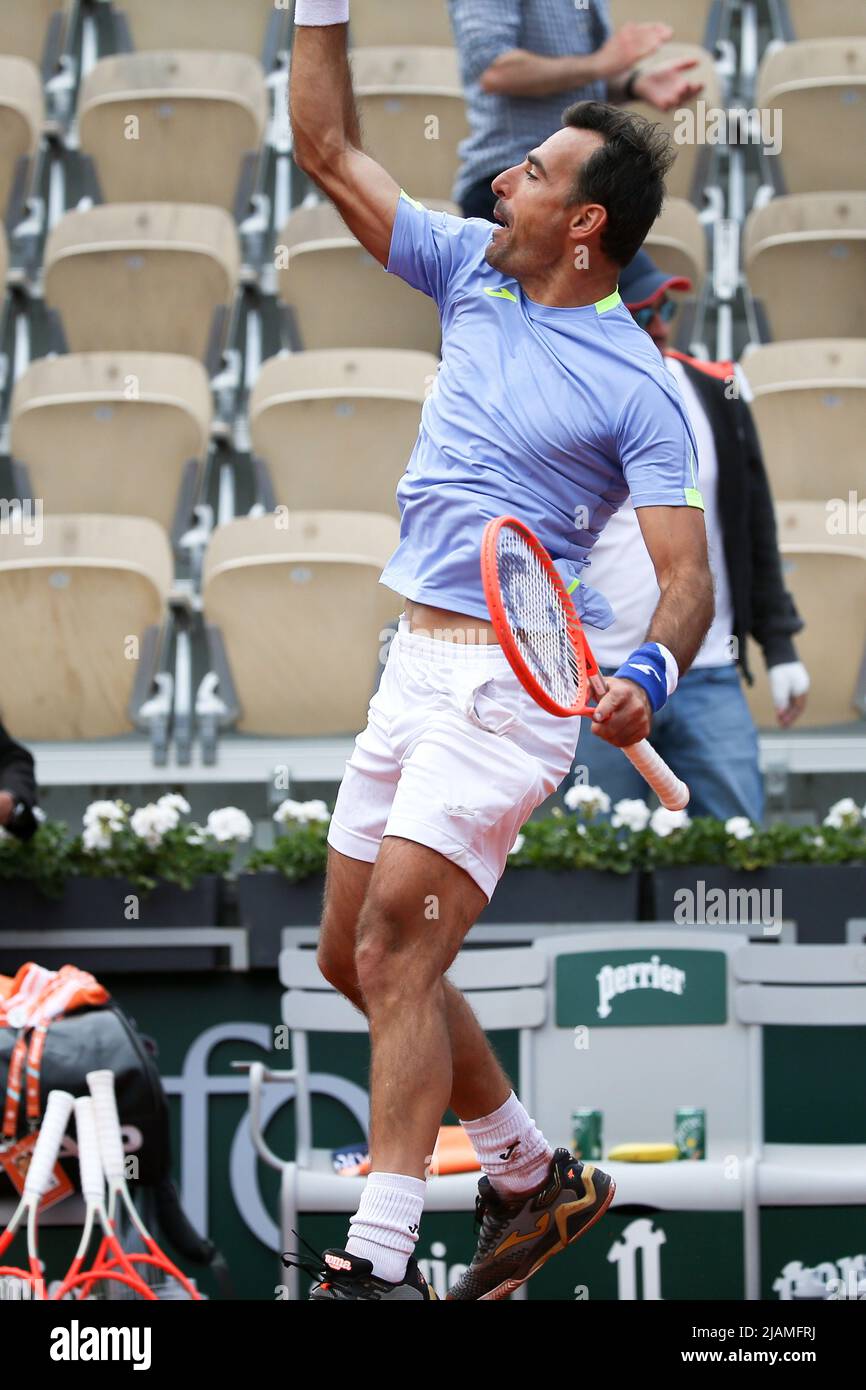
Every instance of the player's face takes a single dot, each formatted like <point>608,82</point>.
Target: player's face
<point>537,226</point>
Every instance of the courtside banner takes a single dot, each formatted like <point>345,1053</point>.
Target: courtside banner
<point>641,988</point>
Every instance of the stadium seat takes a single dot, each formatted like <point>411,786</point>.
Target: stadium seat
<point>827,19</point>
<point>375,23</point>
<point>688,175</point>
<point>810,408</point>
<point>339,296</point>
<point>805,259</point>
<point>301,614</point>
<point>116,433</point>
<point>818,87</point>
<point>31,28</point>
<point>413,114</point>
<point>336,429</point>
<point>21,116</point>
<point>689,19</point>
<point>677,242</point>
<point>146,277</point>
<point>197,115</point>
<point>78,609</point>
<point>220,25</point>
<point>826,573</point>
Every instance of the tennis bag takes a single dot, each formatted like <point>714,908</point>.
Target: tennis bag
<point>102,1037</point>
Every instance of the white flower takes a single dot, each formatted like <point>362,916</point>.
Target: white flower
<point>818,841</point>
<point>662,822</point>
<point>229,823</point>
<point>94,837</point>
<point>195,835</point>
<point>303,812</point>
<point>173,801</point>
<point>844,815</point>
<point>634,815</point>
<point>111,815</point>
<point>518,845</point>
<point>581,829</point>
<point>740,827</point>
<point>589,801</point>
<point>151,822</point>
<point>4,835</point>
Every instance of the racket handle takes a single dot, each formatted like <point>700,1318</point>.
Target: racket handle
<point>101,1084</point>
<point>671,792</point>
<point>51,1133</point>
<point>89,1162</point>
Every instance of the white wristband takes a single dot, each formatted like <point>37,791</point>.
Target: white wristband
<point>319,12</point>
<point>672,670</point>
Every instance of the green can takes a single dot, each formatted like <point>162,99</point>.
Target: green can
<point>586,1133</point>
<point>690,1133</point>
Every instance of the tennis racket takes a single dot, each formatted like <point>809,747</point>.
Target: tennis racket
<point>544,641</point>
<point>51,1132</point>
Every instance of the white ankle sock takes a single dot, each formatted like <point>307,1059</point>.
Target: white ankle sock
<point>385,1227</point>
<point>511,1149</point>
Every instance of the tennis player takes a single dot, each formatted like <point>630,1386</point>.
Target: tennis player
<point>551,405</point>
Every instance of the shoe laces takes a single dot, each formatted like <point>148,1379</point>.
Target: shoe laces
<point>313,1265</point>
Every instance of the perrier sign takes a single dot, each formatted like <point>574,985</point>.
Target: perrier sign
<point>641,988</point>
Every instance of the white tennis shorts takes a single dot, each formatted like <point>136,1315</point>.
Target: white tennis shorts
<point>456,755</point>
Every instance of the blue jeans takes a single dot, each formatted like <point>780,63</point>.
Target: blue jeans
<point>705,732</point>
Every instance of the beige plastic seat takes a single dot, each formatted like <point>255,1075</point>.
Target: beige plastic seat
<point>810,408</point>
<point>826,573</point>
<point>223,25</point>
<point>413,114</point>
<point>820,90</point>
<point>677,242</point>
<point>338,293</point>
<point>375,23</point>
<point>336,429</point>
<point>111,432</point>
<point>805,259</point>
<point>827,18</point>
<point>692,154</point>
<point>145,277</point>
<point>24,26</point>
<point>687,18</point>
<point>74,607</point>
<point>302,614</point>
<point>194,117</point>
<point>21,117</point>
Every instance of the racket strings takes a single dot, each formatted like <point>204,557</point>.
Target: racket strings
<point>538,620</point>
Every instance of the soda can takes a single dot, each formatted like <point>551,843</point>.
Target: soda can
<point>690,1132</point>
<point>586,1133</point>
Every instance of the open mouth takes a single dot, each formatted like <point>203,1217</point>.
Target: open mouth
<point>499,216</point>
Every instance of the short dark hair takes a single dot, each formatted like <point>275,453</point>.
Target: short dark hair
<point>626,174</point>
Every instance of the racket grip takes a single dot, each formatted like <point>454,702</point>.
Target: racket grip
<point>89,1162</point>
<point>51,1133</point>
<point>671,792</point>
<point>101,1084</point>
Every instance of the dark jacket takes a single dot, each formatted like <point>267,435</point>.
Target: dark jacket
<point>763,608</point>
<point>17,777</point>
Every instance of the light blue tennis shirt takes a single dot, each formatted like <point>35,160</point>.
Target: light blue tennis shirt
<point>550,415</point>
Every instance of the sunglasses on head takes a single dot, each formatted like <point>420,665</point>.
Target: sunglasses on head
<point>644,317</point>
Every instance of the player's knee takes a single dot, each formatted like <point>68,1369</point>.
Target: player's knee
<point>389,960</point>
<point>338,969</point>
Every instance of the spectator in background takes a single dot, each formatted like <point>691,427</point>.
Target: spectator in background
<point>522,61</point>
<point>705,731</point>
<point>17,789</point>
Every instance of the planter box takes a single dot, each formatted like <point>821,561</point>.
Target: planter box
<point>268,902</point>
<point>97,904</point>
<point>820,898</point>
<point>570,895</point>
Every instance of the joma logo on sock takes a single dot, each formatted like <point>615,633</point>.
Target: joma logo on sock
<point>641,974</point>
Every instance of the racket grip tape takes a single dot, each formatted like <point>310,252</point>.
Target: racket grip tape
<point>671,792</point>
<point>89,1162</point>
<point>101,1084</point>
<point>51,1133</point>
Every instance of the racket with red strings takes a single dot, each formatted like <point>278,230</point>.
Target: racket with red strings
<point>545,643</point>
<point>151,1263</point>
<point>36,1184</point>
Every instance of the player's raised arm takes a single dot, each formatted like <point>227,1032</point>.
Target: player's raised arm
<point>325,130</point>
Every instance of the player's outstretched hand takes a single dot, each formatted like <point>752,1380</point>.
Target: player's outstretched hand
<point>623,715</point>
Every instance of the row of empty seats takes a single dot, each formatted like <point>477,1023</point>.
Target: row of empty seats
<point>73,603</point>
